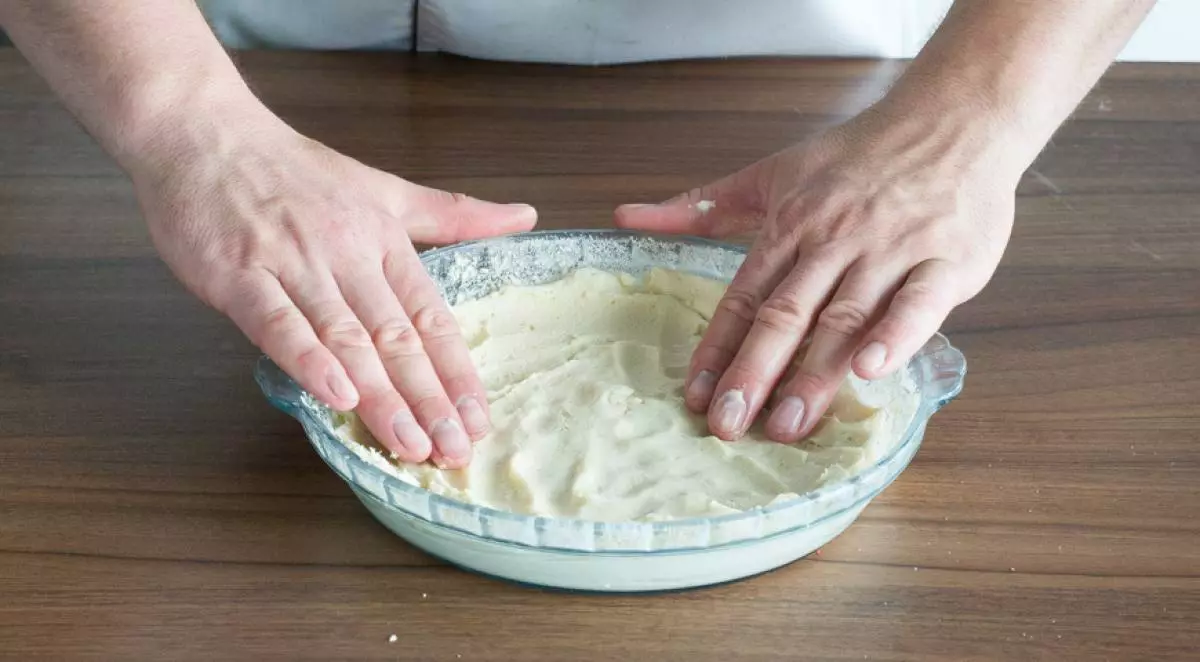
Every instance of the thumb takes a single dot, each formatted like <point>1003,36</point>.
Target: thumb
<point>440,217</point>
<point>726,207</point>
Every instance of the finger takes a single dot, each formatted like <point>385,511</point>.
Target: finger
<point>762,271</point>
<point>258,305</point>
<point>433,216</point>
<point>441,337</point>
<point>400,348</point>
<point>726,207</point>
<point>914,315</point>
<point>381,408</point>
<point>836,334</point>
<point>780,324</point>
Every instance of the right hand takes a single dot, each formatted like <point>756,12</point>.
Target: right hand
<point>311,254</point>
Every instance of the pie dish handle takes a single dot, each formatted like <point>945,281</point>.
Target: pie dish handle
<point>281,390</point>
<point>942,369</point>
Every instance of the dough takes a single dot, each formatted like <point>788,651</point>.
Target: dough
<point>585,380</point>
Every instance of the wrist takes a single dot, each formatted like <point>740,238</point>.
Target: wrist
<point>165,119</point>
<point>949,119</point>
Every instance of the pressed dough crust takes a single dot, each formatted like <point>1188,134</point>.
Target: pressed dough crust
<point>585,383</point>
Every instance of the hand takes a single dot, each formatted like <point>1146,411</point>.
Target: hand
<point>870,235</point>
<point>311,254</point>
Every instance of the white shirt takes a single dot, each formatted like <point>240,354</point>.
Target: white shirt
<point>618,31</point>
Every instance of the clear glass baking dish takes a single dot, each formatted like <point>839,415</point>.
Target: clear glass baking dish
<point>622,556</point>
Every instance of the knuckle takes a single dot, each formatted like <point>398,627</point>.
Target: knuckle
<point>695,195</point>
<point>431,407</point>
<point>742,375</point>
<point>712,356</point>
<point>343,332</point>
<point>292,229</point>
<point>246,250</point>
<point>740,304</point>
<point>378,399</point>
<point>917,294</point>
<point>443,198</point>
<point>220,252</point>
<point>459,385</point>
<point>435,321</point>
<point>395,338</point>
<point>843,318</point>
<point>281,321</point>
<point>782,314</point>
<point>810,383</point>
<point>311,359</point>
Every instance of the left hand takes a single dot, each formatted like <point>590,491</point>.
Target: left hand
<point>870,234</point>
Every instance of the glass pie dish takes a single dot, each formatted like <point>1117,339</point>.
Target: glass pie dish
<point>607,556</point>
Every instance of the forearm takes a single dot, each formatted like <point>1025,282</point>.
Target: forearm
<point>129,71</point>
<point>1016,68</point>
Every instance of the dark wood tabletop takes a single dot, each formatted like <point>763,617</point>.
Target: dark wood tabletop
<point>153,506</point>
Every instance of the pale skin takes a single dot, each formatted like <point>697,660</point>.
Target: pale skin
<point>871,233</point>
<point>874,231</point>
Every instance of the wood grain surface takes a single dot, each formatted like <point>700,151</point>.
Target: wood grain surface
<point>152,506</point>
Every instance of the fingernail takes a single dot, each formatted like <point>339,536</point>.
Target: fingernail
<point>472,414</point>
<point>787,417</point>
<point>450,439</point>
<point>339,384</point>
<point>410,435</point>
<point>872,357</point>
<point>730,411</point>
<point>700,391</point>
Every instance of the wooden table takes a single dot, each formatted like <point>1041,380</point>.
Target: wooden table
<point>153,506</point>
